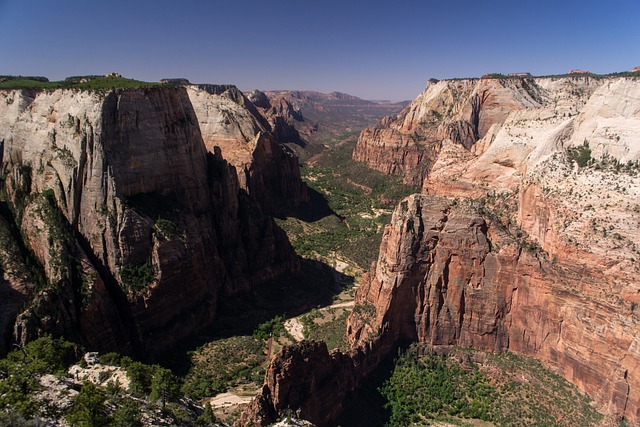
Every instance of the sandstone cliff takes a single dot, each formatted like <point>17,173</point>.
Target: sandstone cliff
<point>539,251</point>
<point>446,277</point>
<point>470,113</point>
<point>450,276</point>
<point>137,227</point>
<point>267,169</point>
<point>566,146</point>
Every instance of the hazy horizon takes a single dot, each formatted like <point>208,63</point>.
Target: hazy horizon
<point>373,50</point>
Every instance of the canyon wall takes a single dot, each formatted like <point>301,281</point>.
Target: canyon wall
<point>137,226</point>
<point>253,143</point>
<point>448,277</point>
<point>526,239</point>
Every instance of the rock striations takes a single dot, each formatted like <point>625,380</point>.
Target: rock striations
<point>139,226</point>
<point>446,276</point>
<point>251,142</point>
<point>525,240</point>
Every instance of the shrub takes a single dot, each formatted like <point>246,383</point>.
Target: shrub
<point>581,154</point>
<point>89,408</point>
<point>137,277</point>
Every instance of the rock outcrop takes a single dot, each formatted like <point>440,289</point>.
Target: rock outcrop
<point>267,169</point>
<point>556,158</point>
<point>312,382</point>
<point>448,277</point>
<point>138,228</point>
<point>468,113</point>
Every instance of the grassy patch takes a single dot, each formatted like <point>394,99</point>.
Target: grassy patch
<point>224,363</point>
<point>362,200</point>
<point>506,389</point>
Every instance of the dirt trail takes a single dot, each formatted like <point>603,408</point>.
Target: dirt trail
<point>229,399</point>
<point>295,328</point>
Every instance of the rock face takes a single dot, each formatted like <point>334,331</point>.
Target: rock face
<point>448,277</point>
<point>267,169</point>
<point>538,252</point>
<point>471,114</point>
<point>554,160</point>
<point>312,382</point>
<point>566,146</point>
<point>137,227</point>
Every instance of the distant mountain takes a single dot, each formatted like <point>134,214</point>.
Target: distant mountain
<point>320,117</point>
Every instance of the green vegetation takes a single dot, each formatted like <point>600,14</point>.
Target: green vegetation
<point>435,387</point>
<point>89,409</point>
<point>21,369</point>
<point>164,386</point>
<point>497,76</point>
<point>92,84</point>
<point>506,389</point>
<point>270,328</point>
<point>326,325</point>
<point>137,277</point>
<point>127,414</point>
<point>140,375</point>
<point>168,228</point>
<point>224,363</point>
<point>581,154</point>
<point>362,200</point>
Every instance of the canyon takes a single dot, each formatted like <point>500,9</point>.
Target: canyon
<point>129,215</point>
<point>524,240</point>
<point>137,221</point>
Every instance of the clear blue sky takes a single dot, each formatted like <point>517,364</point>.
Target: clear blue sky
<point>372,49</point>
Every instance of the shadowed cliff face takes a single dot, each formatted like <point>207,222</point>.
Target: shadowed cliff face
<point>267,170</point>
<point>138,228</point>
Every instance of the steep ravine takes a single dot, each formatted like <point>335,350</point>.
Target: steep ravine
<point>448,277</point>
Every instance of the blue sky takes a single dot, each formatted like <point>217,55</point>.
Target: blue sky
<point>372,49</point>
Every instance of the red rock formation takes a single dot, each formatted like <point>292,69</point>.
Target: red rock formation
<point>312,382</point>
<point>462,111</point>
<point>253,143</point>
<point>446,277</point>
<point>138,228</point>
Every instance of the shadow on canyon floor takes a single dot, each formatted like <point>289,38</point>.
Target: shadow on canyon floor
<point>314,210</point>
<point>241,315</point>
<point>365,407</point>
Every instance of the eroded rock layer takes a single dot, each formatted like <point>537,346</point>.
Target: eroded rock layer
<point>447,277</point>
<point>137,226</point>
